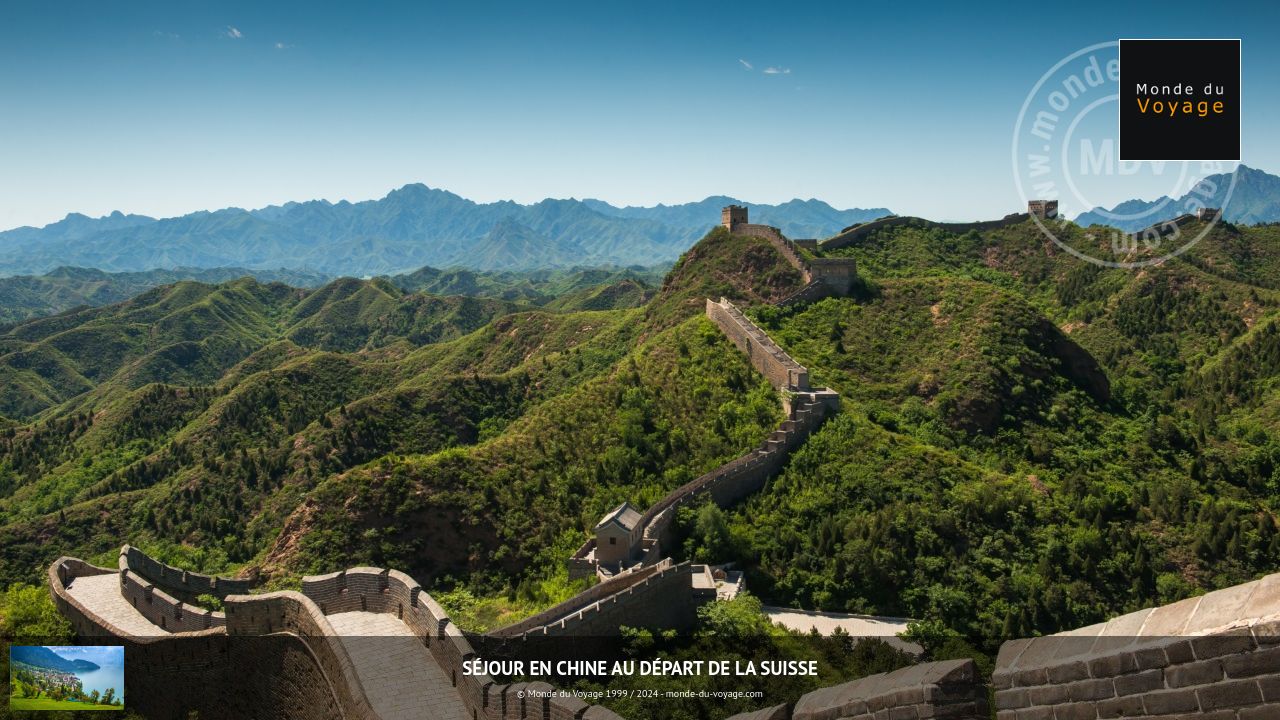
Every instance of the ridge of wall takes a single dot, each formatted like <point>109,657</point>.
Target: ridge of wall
<point>949,689</point>
<point>766,357</point>
<point>1160,229</point>
<point>665,599</point>
<point>591,595</point>
<point>177,582</point>
<point>735,480</point>
<point>783,245</point>
<point>1217,655</point>
<point>277,676</point>
<point>833,276</point>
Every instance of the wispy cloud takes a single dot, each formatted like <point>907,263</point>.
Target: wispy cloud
<point>166,35</point>
<point>777,71</point>
<point>234,33</point>
<point>283,46</point>
<point>746,64</point>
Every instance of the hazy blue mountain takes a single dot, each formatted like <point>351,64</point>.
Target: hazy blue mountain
<point>796,218</point>
<point>73,227</point>
<point>43,657</point>
<point>1255,199</point>
<point>510,245</point>
<point>411,227</point>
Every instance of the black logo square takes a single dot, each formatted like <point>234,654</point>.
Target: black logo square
<point>1180,100</point>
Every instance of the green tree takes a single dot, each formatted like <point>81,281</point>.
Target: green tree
<point>27,611</point>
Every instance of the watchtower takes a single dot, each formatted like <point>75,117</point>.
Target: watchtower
<point>733,215</point>
<point>1044,209</point>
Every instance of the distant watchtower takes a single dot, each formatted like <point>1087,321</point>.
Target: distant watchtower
<point>733,215</point>
<point>1045,209</point>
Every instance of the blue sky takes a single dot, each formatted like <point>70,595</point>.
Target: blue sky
<point>103,655</point>
<point>166,108</point>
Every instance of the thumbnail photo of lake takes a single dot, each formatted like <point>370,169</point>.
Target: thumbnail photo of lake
<point>66,677</point>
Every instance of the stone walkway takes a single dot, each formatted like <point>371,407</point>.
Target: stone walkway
<point>884,628</point>
<point>400,678</point>
<point>101,593</point>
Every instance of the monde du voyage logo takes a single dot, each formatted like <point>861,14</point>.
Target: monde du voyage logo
<point>1180,100</point>
<point>1174,135</point>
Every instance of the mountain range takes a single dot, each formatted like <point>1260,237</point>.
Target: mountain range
<point>411,227</point>
<point>42,657</point>
<point>1254,199</point>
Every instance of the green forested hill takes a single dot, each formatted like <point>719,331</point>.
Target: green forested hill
<point>1028,442</point>
<point>219,424</point>
<point>981,476</point>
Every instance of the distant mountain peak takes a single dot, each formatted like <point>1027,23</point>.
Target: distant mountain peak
<point>1255,198</point>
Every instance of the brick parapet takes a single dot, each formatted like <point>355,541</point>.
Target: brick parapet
<point>764,354</point>
<point>591,595</point>
<point>292,612</point>
<point>177,582</point>
<point>665,599</point>
<point>162,609</point>
<point>950,689</point>
<point>784,246</point>
<point>1218,653</point>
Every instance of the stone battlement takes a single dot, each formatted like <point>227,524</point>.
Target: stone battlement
<point>661,596</point>
<point>766,357</point>
<point>178,582</point>
<point>1217,655</point>
<point>828,276</point>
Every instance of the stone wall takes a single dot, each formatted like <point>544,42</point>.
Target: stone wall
<point>838,274</point>
<point>591,595</point>
<point>728,484</point>
<point>1216,656</point>
<point>163,610</point>
<point>85,623</point>
<point>814,291</point>
<point>829,276</point>
<point>1161,229</point>
<point>765,355</point>
<point>788,249</point>
<point>206,671</point>
<point>663,599</point>
<point>394,592</point>
<point>854,233</point>
<point>179,583</point>
<point>225,678</point>
<point>253,616</point>
<point>951,689</point>
<point>732,482</point>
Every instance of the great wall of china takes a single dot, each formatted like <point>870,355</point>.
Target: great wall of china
<point>370,644</point>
